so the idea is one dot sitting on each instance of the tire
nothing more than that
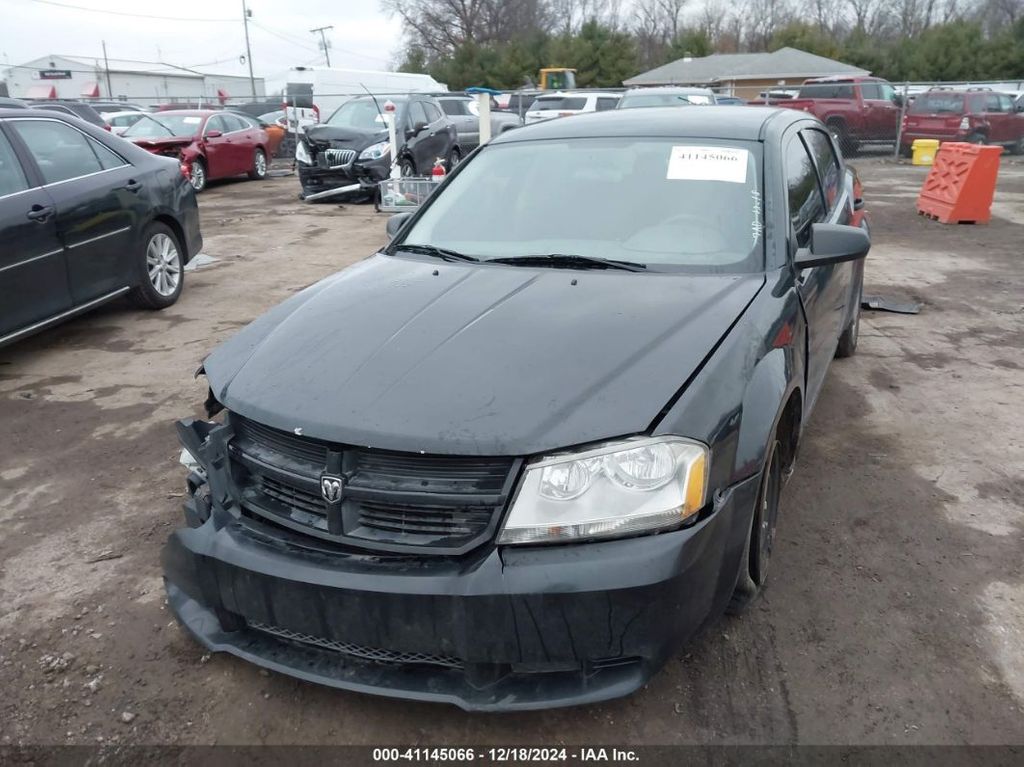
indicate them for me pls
(906, 152)
(848, 340)
(406, 168)
(259, 166)
(198, 176)
(761, 535)
(976, 138)
(841, 136)
(454, 158)
(1018, 146)
(161, 265)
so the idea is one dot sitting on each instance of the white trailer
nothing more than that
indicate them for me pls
(333, 87)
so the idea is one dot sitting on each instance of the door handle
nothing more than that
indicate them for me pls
(40, 213)
(133, 186)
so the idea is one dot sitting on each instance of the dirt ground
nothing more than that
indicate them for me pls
(895, 611)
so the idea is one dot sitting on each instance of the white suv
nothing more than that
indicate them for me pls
(565, 103)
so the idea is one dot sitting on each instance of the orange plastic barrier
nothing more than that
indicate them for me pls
(961, 184)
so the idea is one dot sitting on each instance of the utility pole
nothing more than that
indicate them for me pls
(106, 69)
(323, 42)
(246, 13)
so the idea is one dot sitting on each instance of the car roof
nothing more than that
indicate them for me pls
(51, 114)
(189, 112)
(668, 89)
(742, 123)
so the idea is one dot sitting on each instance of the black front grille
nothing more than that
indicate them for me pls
(392, 501)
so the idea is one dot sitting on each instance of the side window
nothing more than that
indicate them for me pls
(887, 91)
(216, 123)
(453, 107)
(870, 91)
(416, 113)
(606, 103)
(235, 122)
(1005, 103)
(827, 163)
(805, 203)
(12, 175)
(106, 157)
(60, 151)
(433, 113)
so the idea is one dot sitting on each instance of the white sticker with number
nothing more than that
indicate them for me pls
(708, 163)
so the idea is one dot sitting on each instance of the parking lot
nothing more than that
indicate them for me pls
(895, 610)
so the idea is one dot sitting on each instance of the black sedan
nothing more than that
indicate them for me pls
(84, 218)
(515, 459)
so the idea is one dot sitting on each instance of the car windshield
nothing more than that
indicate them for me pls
(148, 127)
(359, 114)
(684, 204)
(558, 102)
(938, 103)
(165, 126)
(632, 101)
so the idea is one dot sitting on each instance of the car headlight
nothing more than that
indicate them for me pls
(622, 488)
(302, 153)
(376, 151)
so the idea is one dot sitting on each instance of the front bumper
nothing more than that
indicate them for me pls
(366, 173)
(497, 629)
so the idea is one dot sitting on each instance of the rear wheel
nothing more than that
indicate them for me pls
(259, 165)
(976, 138)
(454, 158)
(197, 175)
(406, 168)
(761, 536)
(162, 268)
(1018, 147)
(841, 136)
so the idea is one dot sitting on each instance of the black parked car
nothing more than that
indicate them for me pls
(75, 108)
(515, 459)
(352, 145)
(84, 218)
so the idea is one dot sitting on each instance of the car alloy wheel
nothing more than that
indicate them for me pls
(163, 262)
(260, 164)
(198, 176)
(767, 516)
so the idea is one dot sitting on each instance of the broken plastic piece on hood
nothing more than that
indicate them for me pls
(883, 304)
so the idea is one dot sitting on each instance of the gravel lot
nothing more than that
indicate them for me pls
(895, 611)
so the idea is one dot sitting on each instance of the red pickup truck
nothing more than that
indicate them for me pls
(857, 110)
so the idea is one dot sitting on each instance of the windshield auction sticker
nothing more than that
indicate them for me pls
(708, 163)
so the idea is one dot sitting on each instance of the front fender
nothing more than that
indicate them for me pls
(765, 398)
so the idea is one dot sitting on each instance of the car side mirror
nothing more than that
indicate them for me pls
(395, 223)
(416, 129)
(897, 99)
(212, 134)
(833, 244)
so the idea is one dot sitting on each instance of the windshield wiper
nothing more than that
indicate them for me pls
(569, 261)
(430, 250)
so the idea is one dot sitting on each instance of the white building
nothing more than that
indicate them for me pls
(142, 82)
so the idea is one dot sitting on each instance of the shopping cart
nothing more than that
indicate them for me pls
(406, 193)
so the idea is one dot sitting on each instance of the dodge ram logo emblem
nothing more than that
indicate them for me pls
(332, 488)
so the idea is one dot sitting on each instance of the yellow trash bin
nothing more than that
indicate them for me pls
(924, 150)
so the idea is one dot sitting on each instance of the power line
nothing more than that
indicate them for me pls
(133, 15)
(280, 36)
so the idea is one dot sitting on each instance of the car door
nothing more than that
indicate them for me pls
(242, 143)
(820, 287)
(419, 145)
(467, 123)
(881, 115)
(33, 275)
(98, 211)
(221, 159)
(440, 132)
(998, 116)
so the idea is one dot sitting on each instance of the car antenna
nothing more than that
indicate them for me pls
(379, 110)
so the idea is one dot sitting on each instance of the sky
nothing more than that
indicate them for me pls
(206, 35)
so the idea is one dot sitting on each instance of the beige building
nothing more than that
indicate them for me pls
(746, 74)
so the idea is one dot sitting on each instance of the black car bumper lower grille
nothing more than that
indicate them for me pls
(387, 500)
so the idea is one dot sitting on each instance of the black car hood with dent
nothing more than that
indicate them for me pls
(475, 360)
(344, 138)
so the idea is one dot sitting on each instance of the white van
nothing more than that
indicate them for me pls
(333, 87)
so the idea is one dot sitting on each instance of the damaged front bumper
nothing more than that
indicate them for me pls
(366, 173)
(499, 628)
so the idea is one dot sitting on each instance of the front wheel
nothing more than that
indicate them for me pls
(761, 536)
(197, 175)
(848, 340)
(259, 166)
(976, 138)
(162, 268)
(454, 158)
(406, 168)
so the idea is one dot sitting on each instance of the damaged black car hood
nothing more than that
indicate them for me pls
(344, 138)
(414, 355)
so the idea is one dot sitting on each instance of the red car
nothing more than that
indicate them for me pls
(210, 144)
(977, 117)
